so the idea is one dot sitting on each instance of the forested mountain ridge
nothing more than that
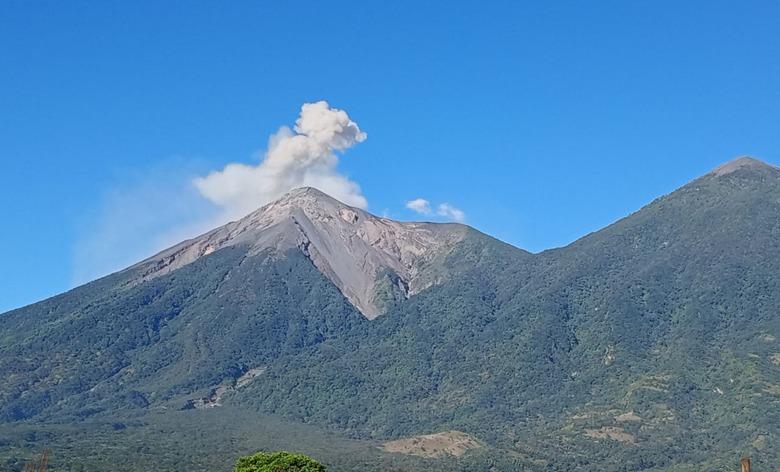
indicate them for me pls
(650, 344)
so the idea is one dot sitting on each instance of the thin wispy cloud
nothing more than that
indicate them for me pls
(143, 213)
(448, 211)
(444, 210)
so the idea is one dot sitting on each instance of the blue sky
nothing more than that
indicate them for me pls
(542, 121)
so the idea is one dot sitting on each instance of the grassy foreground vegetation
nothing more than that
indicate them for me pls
(205, 441)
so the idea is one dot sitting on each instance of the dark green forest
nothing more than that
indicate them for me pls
(651, 344)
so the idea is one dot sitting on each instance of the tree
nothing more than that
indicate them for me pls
(278, 462)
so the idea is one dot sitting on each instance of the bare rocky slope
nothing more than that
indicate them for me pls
(363, 255)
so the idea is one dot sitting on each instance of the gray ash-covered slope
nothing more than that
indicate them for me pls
(363, 255)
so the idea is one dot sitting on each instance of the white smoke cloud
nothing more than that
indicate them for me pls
(423, 207)
(449, 211)
(420, 205)
(149, 210)
(304, 156)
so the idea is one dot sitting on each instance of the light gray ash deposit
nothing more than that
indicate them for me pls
(365, 256)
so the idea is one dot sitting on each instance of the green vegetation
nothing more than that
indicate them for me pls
(653, 344)
(278, 462)
(204, 441)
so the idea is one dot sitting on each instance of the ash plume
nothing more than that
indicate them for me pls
(302, 156)
(145, 213)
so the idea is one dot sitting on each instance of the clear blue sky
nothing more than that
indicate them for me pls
(542, 121)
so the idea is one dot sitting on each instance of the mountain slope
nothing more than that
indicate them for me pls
(657, 330)
(199, 316)
(364, 256)
(176, 334)
(650, 344)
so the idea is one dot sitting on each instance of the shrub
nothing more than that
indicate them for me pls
(278, 462)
